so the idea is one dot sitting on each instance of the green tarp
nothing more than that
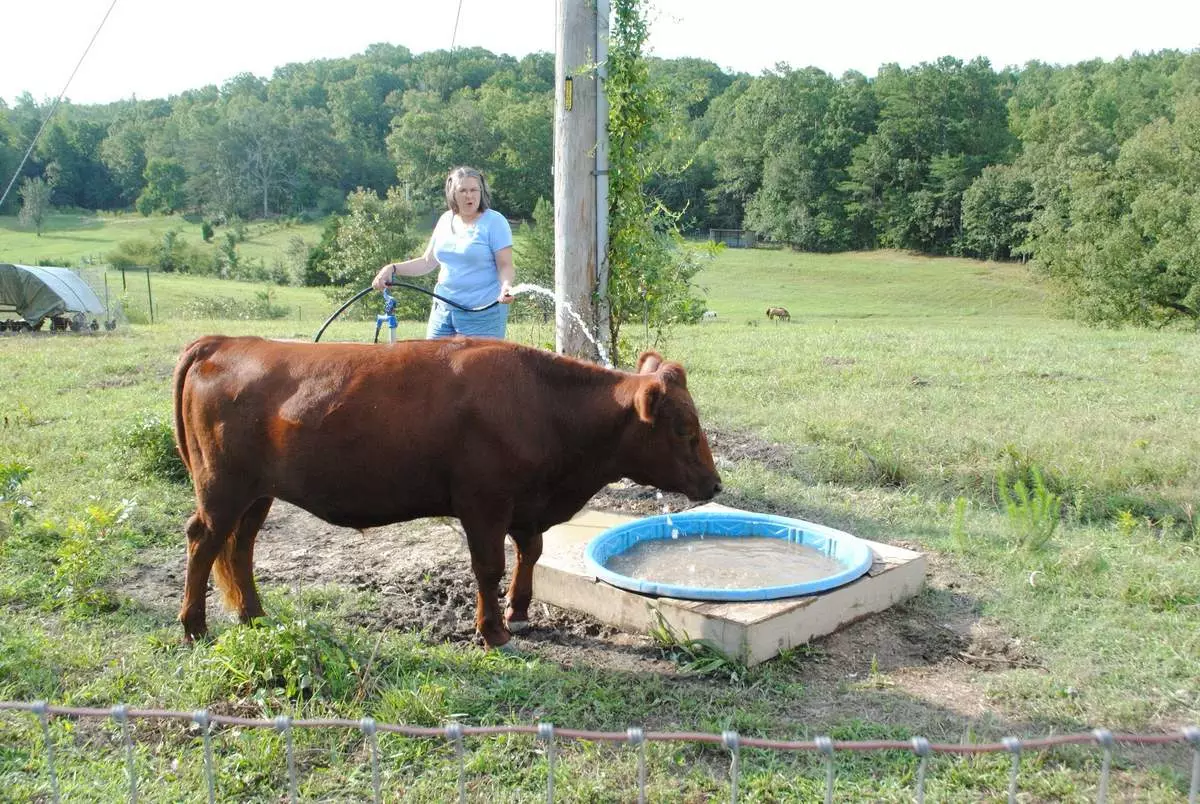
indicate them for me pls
(37, 292)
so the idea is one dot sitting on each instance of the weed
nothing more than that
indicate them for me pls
(958, 528)
(14, 503)
(1033, 513)
(151, 442)
(293, 659)
(92, 547)
(701, 657)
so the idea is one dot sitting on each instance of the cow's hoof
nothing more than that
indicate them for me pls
(516, 621)
(508, 648)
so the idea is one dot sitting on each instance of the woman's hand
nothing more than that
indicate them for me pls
(384, 276)
(506, 295)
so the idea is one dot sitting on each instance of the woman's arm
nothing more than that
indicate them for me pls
(507, 272)
(414, 267)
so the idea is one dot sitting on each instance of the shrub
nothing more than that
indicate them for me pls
(261, 307)
(151, 442)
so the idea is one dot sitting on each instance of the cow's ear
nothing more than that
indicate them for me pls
(649, 362)
(673, 373)
(648, 399)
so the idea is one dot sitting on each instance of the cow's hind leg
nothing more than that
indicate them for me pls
(234, 567)
(205, 540)
(520, 591)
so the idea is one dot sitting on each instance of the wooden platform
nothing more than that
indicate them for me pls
(753, 631)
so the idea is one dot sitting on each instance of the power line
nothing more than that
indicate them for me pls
(57, 101)
(457, 14)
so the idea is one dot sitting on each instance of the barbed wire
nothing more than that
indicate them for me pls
(547, 733)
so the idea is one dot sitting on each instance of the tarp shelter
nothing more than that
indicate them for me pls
(36, 292)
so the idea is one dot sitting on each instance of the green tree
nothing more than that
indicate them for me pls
(534, 249)
(1128, 251)
(164, 187)
(35, 203)
(939, 125)
(996, 210)
(374, 231)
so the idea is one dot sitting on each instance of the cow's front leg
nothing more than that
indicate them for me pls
(520, 591)
(486, 543)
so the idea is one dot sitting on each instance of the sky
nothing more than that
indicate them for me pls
(158, 48)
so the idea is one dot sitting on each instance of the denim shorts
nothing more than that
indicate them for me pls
(446, 322)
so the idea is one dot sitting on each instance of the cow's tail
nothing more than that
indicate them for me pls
(193, 352)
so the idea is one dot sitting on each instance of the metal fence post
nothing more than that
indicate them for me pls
(638, 737)
(921, 749)
(201, 718)
(546, 732)
(1014, 747)
(825, 746)
(43, 713)
(283, 724)
(120, 713)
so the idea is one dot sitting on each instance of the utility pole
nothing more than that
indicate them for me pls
(574, 180)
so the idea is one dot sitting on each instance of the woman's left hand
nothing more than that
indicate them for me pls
(506, 295)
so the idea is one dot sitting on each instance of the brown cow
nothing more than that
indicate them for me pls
(779, 314)
(507, 438)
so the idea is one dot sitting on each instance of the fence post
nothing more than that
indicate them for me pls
(368, 728)
(638, 737)
(284, 724)
(120, 713)
(149, 294)
(1192, 735)
(43, 713)
(825, 746)
(1014, 746)
(1105, 738)
(546, 733)
(202, 719)
(730, 740)
(454, 733)
(921, 749)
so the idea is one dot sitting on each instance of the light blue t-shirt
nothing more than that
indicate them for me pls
(467, 255)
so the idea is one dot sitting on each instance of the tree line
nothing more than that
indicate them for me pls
(1089, 170)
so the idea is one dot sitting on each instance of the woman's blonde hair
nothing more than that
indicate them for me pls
(455, 179)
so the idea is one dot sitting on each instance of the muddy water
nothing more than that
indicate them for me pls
(724, 562)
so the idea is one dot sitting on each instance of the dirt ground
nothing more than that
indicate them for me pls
(934, 649)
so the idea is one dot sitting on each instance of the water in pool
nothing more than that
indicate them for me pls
(724, 562)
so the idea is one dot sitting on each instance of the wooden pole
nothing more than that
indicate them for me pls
(574, 182)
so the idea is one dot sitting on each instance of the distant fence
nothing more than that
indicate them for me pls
(547, 733)
(733, 238)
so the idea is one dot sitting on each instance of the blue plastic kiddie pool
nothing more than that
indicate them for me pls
(850, 553)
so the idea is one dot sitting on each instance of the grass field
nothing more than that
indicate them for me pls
(70, 240)
(909, 400)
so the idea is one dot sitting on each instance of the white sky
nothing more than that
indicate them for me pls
(156, 48)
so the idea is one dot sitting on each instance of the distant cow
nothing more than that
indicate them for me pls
(507, 438)
(779, 314)
(710, 315)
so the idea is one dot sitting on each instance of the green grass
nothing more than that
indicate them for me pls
(71, 240)
(900, 396)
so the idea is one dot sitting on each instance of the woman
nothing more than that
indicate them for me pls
(473, 245)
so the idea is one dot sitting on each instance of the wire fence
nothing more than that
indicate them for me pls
(637, 738)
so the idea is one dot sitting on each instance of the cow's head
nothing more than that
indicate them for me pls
(672, 449)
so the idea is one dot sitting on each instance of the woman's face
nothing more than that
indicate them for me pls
(467, 196)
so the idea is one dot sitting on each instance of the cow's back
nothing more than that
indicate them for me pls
(363, 434)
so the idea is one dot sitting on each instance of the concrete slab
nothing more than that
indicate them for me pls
(753, 631)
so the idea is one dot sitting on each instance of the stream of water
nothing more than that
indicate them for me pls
(526, 287)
